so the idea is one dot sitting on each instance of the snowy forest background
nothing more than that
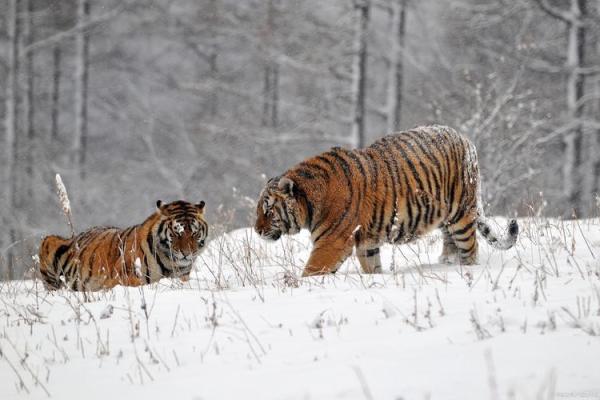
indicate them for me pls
(133, 101)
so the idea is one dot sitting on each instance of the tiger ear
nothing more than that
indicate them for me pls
(160, 205)
(286, 185)
(201, 205)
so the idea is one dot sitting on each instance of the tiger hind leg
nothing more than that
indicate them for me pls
(463, 234)
(51, 249)
(449, 250)
(370, 260)
(50, 278)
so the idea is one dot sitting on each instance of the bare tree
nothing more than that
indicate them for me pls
(271, 71)
(213, 15)
(395, 72)
(81, 87)
(573, 180)
(359, 71)
(595, 110)
(10, 117)
(56, 77)
(28, 99)
(274, 94)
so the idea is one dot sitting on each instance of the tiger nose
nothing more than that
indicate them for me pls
(187, 250)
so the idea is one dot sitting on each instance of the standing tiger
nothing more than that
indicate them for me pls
(164, 245)
(398, 189)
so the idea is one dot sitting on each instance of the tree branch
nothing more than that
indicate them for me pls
(558, 132)
(555, 12)
(539, 65)
(60, 36)
(595, 70)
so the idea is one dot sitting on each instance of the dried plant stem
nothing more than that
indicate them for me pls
(63, 197)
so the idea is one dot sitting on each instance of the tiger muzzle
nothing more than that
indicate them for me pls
(269, 235)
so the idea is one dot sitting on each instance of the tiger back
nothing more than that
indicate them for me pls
(398, 189)
(164, 245)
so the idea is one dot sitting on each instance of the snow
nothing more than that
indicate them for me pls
(524, 324)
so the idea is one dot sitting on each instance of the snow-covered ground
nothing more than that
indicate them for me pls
(525, 324)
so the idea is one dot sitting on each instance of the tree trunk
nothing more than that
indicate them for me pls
(28, 103)
(212, 58)
(359, 71)
(266, 94)
(271, 73)
(81, 88)
(594, 152)
(10, 121)
(12, 100)
(56, 76)
(274, 93)
(214, 97)
(573, 141)
(395, 73)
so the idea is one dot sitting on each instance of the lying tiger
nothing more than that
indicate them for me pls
(165, 245)
(400, 188)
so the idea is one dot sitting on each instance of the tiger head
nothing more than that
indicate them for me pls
(181, 233)
(279, 211)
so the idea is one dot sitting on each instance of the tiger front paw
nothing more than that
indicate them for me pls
(316, 272)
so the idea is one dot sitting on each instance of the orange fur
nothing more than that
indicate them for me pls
(398, 189)
(101, 258)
